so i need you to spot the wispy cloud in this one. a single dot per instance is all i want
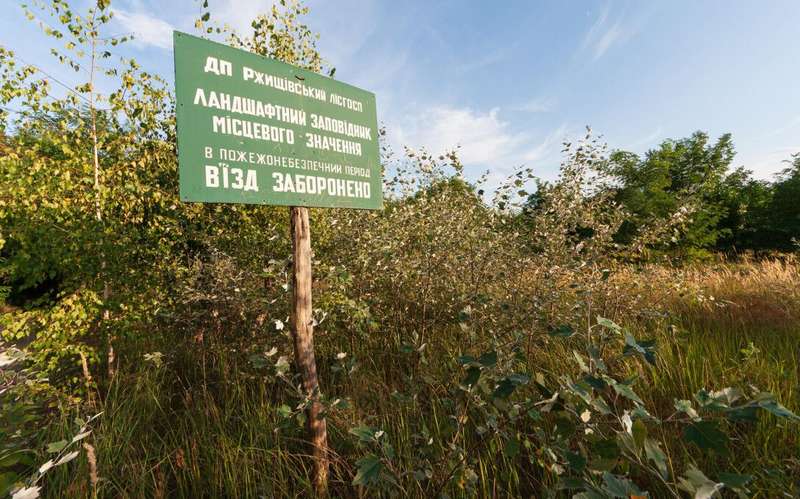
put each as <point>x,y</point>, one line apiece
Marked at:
<point>644,141</point>
<point>146,29</point>
<point>538,105</point>
<point>604,33</point>
<point>548,147</point>
<point>609,37</point>
<point>793,123</point>
<point>486,60</point>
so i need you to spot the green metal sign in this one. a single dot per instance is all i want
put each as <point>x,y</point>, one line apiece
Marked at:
<point>259,131</point>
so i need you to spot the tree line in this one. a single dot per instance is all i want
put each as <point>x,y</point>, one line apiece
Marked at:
<point>732,212</point>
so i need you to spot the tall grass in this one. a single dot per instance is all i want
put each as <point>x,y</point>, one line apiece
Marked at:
<point>206,424</point>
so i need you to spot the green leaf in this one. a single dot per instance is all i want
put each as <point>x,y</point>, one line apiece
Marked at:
<point>17,457</point>
<point>285,411</point>
<point>639,431</point>
<point>473,374</point>
<point>369,470</point>
<point>508,384</point>
<point>594,352</point>
<point>607,323</point>
<point>698,485</point>
<point>56,447</point>
<point>606,448</point>
<point>743,413</point>
<point>735,481</point>
<point>504,389</point>
<point>601,406</point>
<point>562,331</point>
<point>258,361</point>
<point>655,454</point>
<point>364,433</point>
<point>575,461</point>
<point>205,17</point>
<point>488,359</point>
<point>466,360</point>
<point>604,455</point>
<point>588,494</point>
<point>581,363</point>
<point>580,389</point>
<point>567,483</point>
<point>772,406</point>
<point>595,382</point>
<point>564,426</point>
<point>619,487</point>
<point>511,448</point>
<point>645,348</point>
<point>624,390</point>
<point>7,481</point>
<point>707,436</point>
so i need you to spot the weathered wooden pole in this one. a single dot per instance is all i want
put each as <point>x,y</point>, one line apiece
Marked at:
<point>303,335</point>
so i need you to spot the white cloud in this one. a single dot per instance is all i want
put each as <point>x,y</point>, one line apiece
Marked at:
<point>485,140</point>
<point>483,137</point>
<point>147,30</point>
<point>334,20</point>
<point>538,105</point>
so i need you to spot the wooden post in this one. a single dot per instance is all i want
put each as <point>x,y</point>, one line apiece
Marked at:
<point>303,335</point>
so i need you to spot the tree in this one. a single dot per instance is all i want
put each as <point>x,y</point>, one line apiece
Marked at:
<point>689,172</point>
<point>93,170</point>
<point>784,208</point>
<point>747,218</point>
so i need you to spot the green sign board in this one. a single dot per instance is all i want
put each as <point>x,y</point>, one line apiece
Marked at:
<point>259,131</point>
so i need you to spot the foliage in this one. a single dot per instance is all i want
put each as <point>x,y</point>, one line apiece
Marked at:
<point>783,210</point>
<point>730,210</point>
<point>23,394</point>
<point>677,173</point>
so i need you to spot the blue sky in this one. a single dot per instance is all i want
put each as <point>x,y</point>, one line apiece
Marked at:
<point>509,81</point>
